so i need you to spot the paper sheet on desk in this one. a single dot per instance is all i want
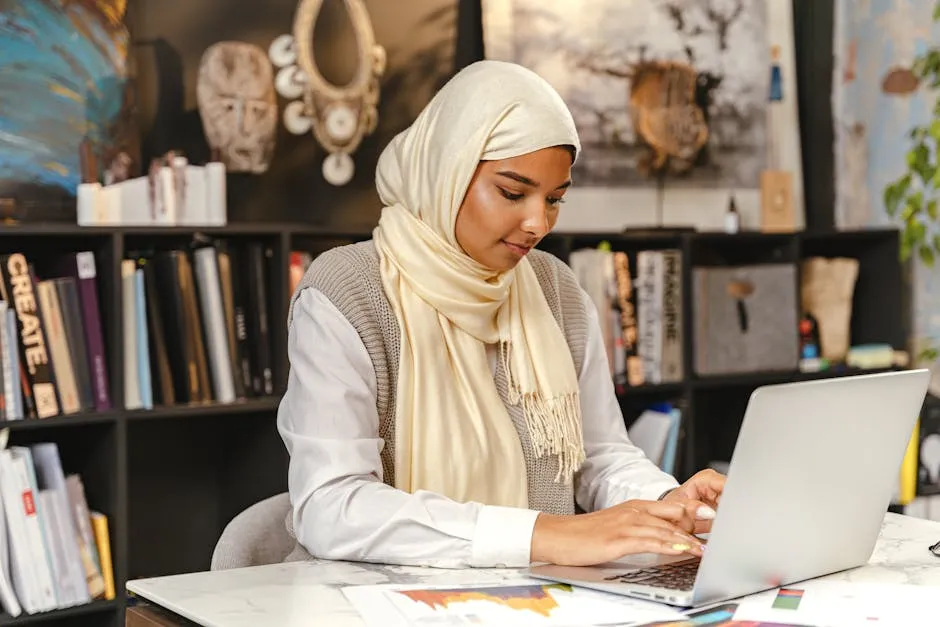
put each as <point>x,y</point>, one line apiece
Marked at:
<point>843,604</point>
<point>509,604</point>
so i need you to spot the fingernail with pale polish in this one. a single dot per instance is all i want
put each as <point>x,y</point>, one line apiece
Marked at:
<point>681,547</point>
<point>704,513</point>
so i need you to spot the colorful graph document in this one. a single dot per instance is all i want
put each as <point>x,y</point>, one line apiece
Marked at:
<point>523,604</point>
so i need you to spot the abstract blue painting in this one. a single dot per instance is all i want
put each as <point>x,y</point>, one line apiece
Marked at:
<point>63,78</point>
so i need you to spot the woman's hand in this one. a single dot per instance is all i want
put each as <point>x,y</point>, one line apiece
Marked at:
<point>609,534</point>
<point>700,495</point>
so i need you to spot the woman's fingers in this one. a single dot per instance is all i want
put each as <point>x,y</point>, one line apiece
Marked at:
<point>672,512</point>
<point>652,545</point>
<point>648,529</point>
<point>667,541</point>
<point>671,523</point>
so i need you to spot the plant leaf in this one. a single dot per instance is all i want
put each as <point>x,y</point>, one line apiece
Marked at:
<point>918,160</point>
<point>913,205</point>
<point>894,193</point>
<point>926,255</point>
<point>928,354</point>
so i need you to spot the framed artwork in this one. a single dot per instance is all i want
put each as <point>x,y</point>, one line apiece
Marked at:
<point>64,79</point>
<point>673,100</point>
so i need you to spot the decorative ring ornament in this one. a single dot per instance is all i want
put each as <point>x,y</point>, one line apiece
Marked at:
<point>339,116</point>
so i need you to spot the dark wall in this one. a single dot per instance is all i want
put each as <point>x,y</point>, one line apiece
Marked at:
<point>170,39</point>
<point>295,195</point>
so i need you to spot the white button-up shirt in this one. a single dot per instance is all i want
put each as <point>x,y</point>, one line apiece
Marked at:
<point>342,509</point>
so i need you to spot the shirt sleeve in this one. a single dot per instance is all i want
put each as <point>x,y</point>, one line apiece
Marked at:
<point>615,470</point>
<point>342,509</point>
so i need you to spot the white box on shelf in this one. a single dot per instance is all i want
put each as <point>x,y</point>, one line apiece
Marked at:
<point>196,198</point>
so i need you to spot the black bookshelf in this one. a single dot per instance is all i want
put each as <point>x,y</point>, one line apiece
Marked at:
<point>170,478</point>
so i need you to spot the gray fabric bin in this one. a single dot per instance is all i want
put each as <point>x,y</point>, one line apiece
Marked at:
<point>770,339</point>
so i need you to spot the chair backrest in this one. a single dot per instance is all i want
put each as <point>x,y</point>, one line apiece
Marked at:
<point>256,536</point>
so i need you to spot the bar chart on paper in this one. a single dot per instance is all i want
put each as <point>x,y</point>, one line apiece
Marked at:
<point>523,604</point>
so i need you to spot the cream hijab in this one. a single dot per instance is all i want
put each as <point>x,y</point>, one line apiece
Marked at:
<point>453,433</point>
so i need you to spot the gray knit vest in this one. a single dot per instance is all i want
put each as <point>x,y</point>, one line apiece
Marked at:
<point>349,277</point>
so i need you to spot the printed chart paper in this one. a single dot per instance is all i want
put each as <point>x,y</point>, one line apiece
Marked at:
<point>838,603</point>
<point>523,604</point>
<point>719,616</point>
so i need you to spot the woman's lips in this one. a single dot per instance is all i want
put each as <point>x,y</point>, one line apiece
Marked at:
<point>517,248</point>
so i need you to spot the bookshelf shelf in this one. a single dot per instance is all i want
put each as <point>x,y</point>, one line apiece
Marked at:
<point>60,422</point>
<point>653,389</point>
<point>63,616</point>
<point>171,477</point>
<point>195,410</point>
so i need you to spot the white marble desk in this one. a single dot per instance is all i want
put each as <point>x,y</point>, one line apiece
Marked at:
<point>308,593</point>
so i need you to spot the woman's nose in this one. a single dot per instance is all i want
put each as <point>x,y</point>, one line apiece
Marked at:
<point>536,221</point>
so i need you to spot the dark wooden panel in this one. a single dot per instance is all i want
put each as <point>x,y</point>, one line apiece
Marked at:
<point>813,22</point>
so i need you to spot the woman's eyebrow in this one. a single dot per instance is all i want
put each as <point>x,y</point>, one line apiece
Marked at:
<point>525,180</point>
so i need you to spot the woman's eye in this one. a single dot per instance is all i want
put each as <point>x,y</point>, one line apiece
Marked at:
<point>509,195</point>
<point>555,201</point>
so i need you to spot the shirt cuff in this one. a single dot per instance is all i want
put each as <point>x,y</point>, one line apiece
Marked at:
<point>652,491</point>
<point>503,537</point>
<point>656,490</point>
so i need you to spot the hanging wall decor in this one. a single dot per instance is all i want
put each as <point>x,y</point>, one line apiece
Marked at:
<point>172,38</point>
<point>339,116</point>
<point>237,105</point>
<point>670,101</point>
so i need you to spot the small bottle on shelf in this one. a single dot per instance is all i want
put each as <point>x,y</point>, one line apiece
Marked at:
<point>732,217</point>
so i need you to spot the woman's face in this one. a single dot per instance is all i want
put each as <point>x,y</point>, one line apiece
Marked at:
<point>511,205</point>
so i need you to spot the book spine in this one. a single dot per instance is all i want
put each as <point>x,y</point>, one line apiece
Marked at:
<point>23,403</point>
<point>6,396</point>
<point>193,322</point>
<point>161,376</point>
<point>672,370</point>
<point>213,317</point>
<point>99,524</point>
<point>87,274</point>
<point>18,284</point>
<point>20,510</point>
<point>240,300</point>
<point>39,546</point>
<point>260,334</point>
<point>228,303</point>
<point>143,341</point>
<point>626,298</point>
<point>67,294</point>
<point>9,383</point>
<point>58,347</point>
<point>132,399</point>
<point>650,321</point>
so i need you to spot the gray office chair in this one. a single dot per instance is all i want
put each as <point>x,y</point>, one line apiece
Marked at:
<point>256,536</point>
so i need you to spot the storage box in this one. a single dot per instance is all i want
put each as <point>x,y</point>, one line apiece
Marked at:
<point>745,319</point>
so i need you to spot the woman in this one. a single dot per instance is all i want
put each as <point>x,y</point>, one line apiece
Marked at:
<point>449,400</point>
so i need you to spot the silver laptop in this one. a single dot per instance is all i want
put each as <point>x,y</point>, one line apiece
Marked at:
<point>814,470</point>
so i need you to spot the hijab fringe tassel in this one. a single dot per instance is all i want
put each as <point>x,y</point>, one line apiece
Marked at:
<point>554,424</point>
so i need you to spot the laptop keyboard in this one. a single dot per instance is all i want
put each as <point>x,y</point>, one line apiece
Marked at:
<point>675,576</point>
